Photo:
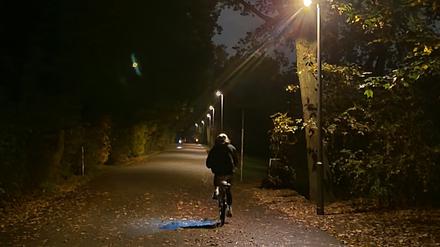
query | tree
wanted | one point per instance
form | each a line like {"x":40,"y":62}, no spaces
{"x":278,"y":15}
{"x":380,"y":56}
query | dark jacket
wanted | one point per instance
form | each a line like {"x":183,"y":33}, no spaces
{"x":222,"y":159}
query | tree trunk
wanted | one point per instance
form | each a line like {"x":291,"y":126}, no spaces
{"x":306,"y":66}
{"x":308,"y":81}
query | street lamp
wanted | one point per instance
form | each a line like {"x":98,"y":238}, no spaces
{"x":209,"y":128}
{"x":319,"y":163}
{"x":220,"y":94}
{"x":202,"y":131}
{"x":208,"y":115}
{"x":211,"y":108}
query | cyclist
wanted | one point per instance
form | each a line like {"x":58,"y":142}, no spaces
{"x":222,"y":160}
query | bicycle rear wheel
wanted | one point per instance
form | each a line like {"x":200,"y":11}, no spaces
{"x":222,"y":208}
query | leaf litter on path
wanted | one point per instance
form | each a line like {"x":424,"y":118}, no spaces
{"x":404,"y":227}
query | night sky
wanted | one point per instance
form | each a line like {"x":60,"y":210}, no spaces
{"x":234,"y":27}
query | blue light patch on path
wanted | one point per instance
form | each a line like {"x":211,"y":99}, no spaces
{"x":176,"y":224}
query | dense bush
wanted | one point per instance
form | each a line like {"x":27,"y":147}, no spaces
{"x":288,"y":146}
{"x":137,"y":140}
{"x":13,"y":172}
{"x":33,"y":158}
{"x":386,"y":151}
{"x":384,"y":147}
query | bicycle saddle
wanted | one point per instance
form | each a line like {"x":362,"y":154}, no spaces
{"x":225,"y":183}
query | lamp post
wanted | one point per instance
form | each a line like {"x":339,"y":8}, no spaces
{"x":213,"y":128}
{"x":202,"y":135}
{"x":319,"y":163}
{"x":208,"y":115}
{"x":211,"y":108}
{"x":209,"y":128}
{"x":196,"y":132}
{"x":220,"y":94}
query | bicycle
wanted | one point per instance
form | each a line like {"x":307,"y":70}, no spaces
{"x":222,"y":200}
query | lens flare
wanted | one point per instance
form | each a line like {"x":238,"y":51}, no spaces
{"x":307,"y":3}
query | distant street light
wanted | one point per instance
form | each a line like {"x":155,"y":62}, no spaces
{"x":220,"y":94}
{"x":209,"y":129}
{"x":319,"y":163}
{"x":202,"y":131}
{"x":213,"y":114}
{"x":213,"y":128}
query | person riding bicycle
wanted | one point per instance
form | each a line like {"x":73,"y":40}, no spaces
{"x":222,"y":160}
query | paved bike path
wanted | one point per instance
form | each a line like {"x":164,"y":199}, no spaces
{"x":126,"y":206}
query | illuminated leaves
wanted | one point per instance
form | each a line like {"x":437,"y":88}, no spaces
{"x":283,"y":124}
{"x":283,"y":129}
{"x":292,"y":88}
{"x":427,"y":50}
{"x":368,"y":93}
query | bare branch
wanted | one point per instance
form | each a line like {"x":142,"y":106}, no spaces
{"x":254,"y":10}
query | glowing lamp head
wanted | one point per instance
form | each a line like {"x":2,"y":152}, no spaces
{"x":211,"y":107}
{"x":208,"y":116}
{"x":218,"y":93}
{"x":307,"y":3}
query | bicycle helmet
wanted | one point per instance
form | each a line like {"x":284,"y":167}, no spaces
{"x":222,"y":138}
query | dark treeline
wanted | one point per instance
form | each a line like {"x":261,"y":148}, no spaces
{"x":69,"y":83}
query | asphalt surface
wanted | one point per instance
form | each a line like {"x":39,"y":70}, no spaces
{"x":127,"y":206}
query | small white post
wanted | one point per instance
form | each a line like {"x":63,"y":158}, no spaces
{"x":82,"y":161}
{"x":242,"y":145}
